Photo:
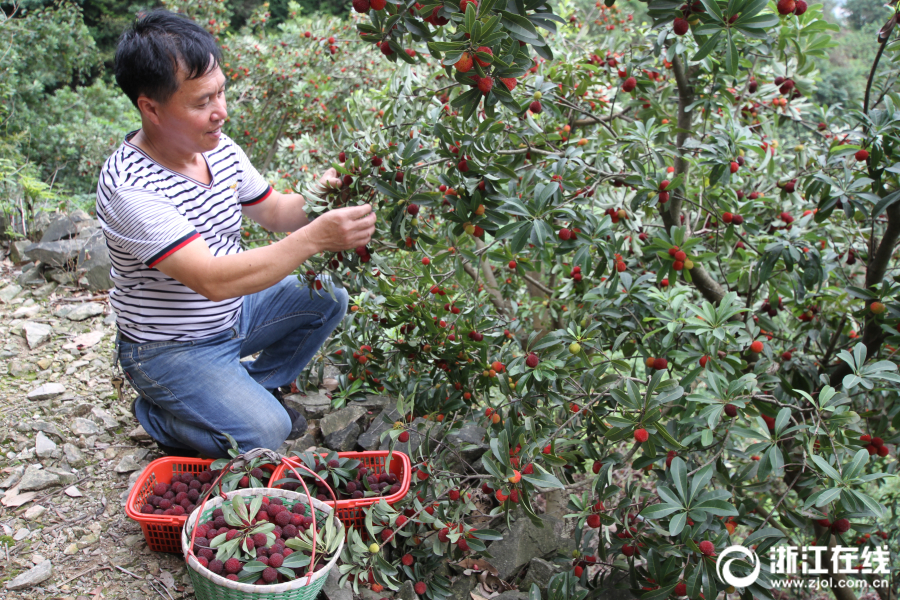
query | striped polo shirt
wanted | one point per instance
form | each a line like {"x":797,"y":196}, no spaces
{"x":148,"y":212}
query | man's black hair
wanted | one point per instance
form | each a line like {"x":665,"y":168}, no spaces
{"x":155,"y":47}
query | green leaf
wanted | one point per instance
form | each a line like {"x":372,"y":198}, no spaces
{"x":827,"y":468}
{"x":676,"y":524}
{"x":707,"y":47}
{"x":719,"y":508}
{"x":679,"y":475}
{"x":657,"y":511}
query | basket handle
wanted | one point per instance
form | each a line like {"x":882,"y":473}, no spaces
{"x":312,"y":509}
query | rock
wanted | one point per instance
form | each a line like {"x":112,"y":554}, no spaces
{"x":128,"y":464}
{"x":45,"y":290}
{"x":65,"y":477}
{"x":94,"y":263}
{"x":332,"y":588}
{"x":82,"y":426}
{"x":313,"y":406}
{"x":31,"y":278}
{"x":109,"y":421}
{"x":17,"y":251}
{"x":370,"y":440}
{"x":539,"y":571}
{"x":44,"y":446}
{"x":139,"y":434}
{"x":25,"y":312}
{"x":68,"y":226}
{"x":17,"y":368}
{"x":36,"y":333}
{"x":306,"y":441}
{"x":85,"y":311}
{"x":40,"y":223}
{"x":73,"y":456}
{"x":525,"y":541}
{"x":407,"y":591}
{"x":60,"y":254}
{"x":70,"y":549}
{"x":48,"y":391}
{"x":372,"y":402}
{"x":63,"y":276}
{"x":343,"y":440}
{"x":32,"y":577}
{"x":342,"y":419}
{"x":462,"y":588}
{"x":48,"y":428}
{"x":34,"y":512}
{"x":468,"y":441}
{"x":36,"y":479}
{"x":44,"y":364}
{"x":14,"y":477}
{"x":91,"y":538}
{"x":9,"y":292}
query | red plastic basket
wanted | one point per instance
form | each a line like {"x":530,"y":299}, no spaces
{"x":350,"y":511}
{"x":163,"y":532}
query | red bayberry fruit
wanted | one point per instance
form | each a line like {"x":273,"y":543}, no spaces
{"x":660,"y":364}
{"x":840,"y":526}
{"x":786,"y":7}
{"x":385,"y":48}
{"x":565,"y":234}
{"x":756,"y":347}
{"x":731,"y":410}
{"x":707,"y":548}
{"x":593,"y":521}
{"x":532,"y":360}
{"x":536,"y":107}
{"x":629,"y":84}
{"x":407,"y":559}
{"x":681,"y":26}
{"x":413,"y":209}
{"x":641,"y":435}
{"x":486,"y":50}
{"x":485,"y":84}
{"x":862,"y":155}
{"x":421,"y":588}
{"x":464,"y":64}
{"x":403,"y":437}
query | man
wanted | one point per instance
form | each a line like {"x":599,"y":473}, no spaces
{"x":189,"y":302}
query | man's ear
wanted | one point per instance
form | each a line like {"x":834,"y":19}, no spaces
{"x":148,"y":108}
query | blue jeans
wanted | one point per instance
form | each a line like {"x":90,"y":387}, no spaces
{"x":189,"y":393}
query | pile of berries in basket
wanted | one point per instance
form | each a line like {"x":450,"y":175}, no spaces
{"x":265,"y":541}
{"x":347,"y":478}
{"x":181,"y":495}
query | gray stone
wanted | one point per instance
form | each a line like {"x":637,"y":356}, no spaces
{"x":343,"y":440}
{"x":40,"y":223}
{"x":73,"y":455}
{"x":36,"y":479}
{"x":24,"y":312}
{"x":17,"y":368}
{"x":34,"y":512}
{"x":539,"y":571}
{"x":45,"y":290}
{"x":55,"y":254}
{"x":48,"y":428}
{"x":469,"y":442}
{"x":36,"y":333}
{"x":66,"y":226}
{"x":32,"y":577}
{"x":127,"y":464}
{"x":371,"y":402}
{"x":85,"y":311}
{"x":370,"y":440}
{"x":342,"y":419}
{"x":44,"y":447}
{"x":139,"y":434}
{"x":14,"y":477}
{"x":109,"y":421}
{"x":94,"y":263}
{"x":407,"y":591}
{"x":332,"y":588}
{"x":47,"y":391}
{"x":81,"y":426}
{"x":9,"y":292}
{"x":525,"y":541}
{"x":66,"y":477}
{"x":461,"y":588}
{"x":31,"y":278}
{"x":17,"y":251}
{"x":63,"y":276}
{"x":313,"y":406}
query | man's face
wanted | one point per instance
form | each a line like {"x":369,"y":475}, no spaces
{"x":193,"y":116}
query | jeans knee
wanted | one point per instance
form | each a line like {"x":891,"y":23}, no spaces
{"x":266,"y":432}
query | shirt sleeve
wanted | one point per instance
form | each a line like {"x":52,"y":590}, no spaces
{"x":252,"y":189}
{"x":146,"y":224}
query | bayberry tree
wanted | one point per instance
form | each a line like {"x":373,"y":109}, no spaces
{"x":631,"y":249}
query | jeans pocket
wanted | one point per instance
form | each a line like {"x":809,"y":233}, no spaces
{"x":151,"y":349}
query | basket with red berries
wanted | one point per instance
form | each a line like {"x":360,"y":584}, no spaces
{"x":168,"y":491}
{"x":262,"y":542}
{"x":359,"y":479}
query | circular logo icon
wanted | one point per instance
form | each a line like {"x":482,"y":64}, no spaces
{"x":724,"y":570}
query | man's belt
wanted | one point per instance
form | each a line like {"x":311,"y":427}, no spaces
{"x":126,"y":338}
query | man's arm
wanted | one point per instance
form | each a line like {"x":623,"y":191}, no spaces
{"x":284,"y":213}
{"x":222,"y":277}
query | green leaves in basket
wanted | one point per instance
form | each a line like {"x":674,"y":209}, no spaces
{"x":327,"y":540}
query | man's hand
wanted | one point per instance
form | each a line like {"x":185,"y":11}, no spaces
{"x":329,"y":181}
{"x":342,"y":228}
